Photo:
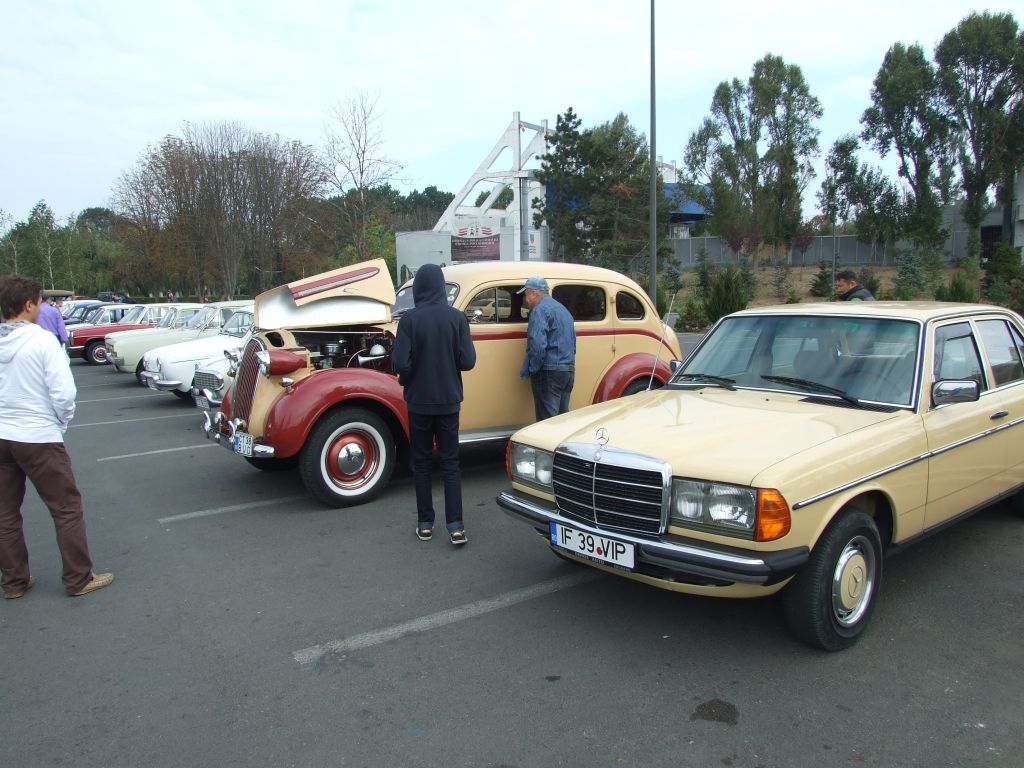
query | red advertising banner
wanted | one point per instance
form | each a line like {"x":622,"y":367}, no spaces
{"x":476,"y":248}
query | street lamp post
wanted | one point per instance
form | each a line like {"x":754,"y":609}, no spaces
{"x":653,"y":217}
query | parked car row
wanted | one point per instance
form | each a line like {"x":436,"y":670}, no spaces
{"x":792,"y":452}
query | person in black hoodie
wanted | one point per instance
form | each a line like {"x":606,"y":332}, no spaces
{"x":432,"y":348}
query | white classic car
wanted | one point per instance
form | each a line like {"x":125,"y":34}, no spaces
{"x":793,"y":451}
{"x":212,"y":378}
{"x":125,"y":349}
{"x":170,"y":368}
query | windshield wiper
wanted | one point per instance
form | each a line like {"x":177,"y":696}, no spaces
{"x":813,"y":386}
{"x":707,"y":378}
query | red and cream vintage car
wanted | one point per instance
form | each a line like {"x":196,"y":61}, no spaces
{"x":88,"y":342}
{"x":314,"y":386}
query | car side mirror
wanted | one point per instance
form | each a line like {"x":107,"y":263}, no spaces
{"x":675,"y":365}
{"x":951,"y":391}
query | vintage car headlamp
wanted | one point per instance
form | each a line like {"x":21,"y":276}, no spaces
{"x":279,"y":362}
{"x":530,"y":466}
{"x":731,"y":509}
{"x":761,"y":514}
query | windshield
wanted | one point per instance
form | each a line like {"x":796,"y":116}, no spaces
{"x":201,"y":318}
{"x":238,"y":324}
{"x":133,"y":316}
{"x":404,"y":299}
{"x":853,"y":358}
{"x":92,"y":315}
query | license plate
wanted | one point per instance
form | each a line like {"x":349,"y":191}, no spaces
{"x":202,"y":402}
{"x":243,"y":444}
{"x":593,"y":546}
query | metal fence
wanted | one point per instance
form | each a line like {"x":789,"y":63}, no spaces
{"x":848,"y":250}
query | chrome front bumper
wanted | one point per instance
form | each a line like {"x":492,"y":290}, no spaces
{"x":668,"y":556}
{"x":212,"y":421}
{"x":152,"y":380}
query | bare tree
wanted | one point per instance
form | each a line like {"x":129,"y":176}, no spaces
{"x":355,"y":161}
{"x":221,"y":196}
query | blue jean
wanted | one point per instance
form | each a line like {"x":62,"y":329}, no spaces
{"x":424,"y":429}
{"x":551,"y":390}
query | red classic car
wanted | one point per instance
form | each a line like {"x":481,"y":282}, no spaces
{"x":87,"y":341}
{"x":314,"y":386}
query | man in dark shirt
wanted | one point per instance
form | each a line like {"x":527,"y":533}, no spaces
{"x":849,"y":289}
{"x":432,"y":348}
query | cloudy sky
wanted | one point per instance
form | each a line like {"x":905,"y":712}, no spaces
{"x":88,"y":86}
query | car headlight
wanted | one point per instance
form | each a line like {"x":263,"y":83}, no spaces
{"x":733,"y":510}
{"x":530,"y":466}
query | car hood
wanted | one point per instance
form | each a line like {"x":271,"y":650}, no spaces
{"x":196,"y":349}
{"x":359,"y":293}
{"x":159,"y":336}
{"x":117,"y":336}
{"x":711,"y":433}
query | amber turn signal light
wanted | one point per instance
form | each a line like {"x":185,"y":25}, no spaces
{"x":773,"y":520}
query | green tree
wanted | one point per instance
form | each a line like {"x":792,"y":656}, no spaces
{"x":823,"y":285}
{"x":980,"y":88}
{"x":563,"y":206}
{"x":906,"y":118}
{"x":503,"y":201}
{"x":596,"y":205}
{"x":750,"y":160}
{"x":728,"y":293}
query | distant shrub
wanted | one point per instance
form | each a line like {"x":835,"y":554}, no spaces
{"x":823,"y":286}
{"x":957,"y":289}
{"x":728,"y":294}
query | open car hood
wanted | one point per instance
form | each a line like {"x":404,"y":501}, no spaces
{"x":358,"y":293}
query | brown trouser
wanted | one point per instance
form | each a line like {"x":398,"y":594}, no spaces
{"x":48,"y":466}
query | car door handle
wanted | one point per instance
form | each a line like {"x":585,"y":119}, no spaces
{"x":999,"y":415}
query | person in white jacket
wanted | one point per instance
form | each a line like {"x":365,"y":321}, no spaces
{"x":37,"y":400}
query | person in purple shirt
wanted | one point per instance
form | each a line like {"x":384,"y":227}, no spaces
{"x":50,"y":319}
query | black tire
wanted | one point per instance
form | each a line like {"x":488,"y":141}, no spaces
{"x":96,"y":353}
{"x":138,"y":372}
{"x":830,"y":601}
{"x":273,"y":465}
{"x":369,"y":457}
{"x":640,"y":385}
{"x":181,"y":395}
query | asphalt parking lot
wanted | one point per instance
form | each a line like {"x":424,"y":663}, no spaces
{"x":250,"y":626}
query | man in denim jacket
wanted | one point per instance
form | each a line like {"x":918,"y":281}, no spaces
{"x":550,"y":361}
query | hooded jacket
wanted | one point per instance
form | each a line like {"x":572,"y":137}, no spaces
{"x":432,"y":347}
{"x":37,"y":390}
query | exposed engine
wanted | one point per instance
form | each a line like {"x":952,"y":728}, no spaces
{"x":341,"y":348}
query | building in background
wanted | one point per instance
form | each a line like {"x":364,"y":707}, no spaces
{"x":474,"y":227}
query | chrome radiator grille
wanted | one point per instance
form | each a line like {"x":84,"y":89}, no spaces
{"x":620,"y":491}
{"x":245,"y":381}
{"x":206,"y":380}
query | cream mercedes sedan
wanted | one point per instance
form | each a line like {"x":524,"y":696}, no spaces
{"x":793,"y":451}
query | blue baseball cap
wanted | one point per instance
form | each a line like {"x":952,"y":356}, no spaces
{"x":534,"y":283}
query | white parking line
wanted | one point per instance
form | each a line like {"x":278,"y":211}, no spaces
{"x":308,"y":656}
{"x":232,"y":508}
{"x":125,"y":421}
{"x":162,"y":450}
{"x":108,"y":399}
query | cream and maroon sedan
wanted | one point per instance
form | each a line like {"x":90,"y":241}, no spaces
{"x":315,"y":388}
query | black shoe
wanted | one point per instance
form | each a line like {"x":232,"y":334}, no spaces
{"x":458,"y":537}
{"x":424,"y":533}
